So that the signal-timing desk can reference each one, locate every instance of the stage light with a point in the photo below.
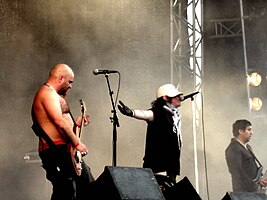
(255, 103)
(254, 79)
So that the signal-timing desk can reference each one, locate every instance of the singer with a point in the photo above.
(163, 136)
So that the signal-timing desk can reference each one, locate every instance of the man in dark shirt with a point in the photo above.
(241, 161)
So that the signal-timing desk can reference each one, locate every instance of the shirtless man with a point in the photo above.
(51, 111)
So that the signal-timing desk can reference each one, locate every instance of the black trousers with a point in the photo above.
(60, 172)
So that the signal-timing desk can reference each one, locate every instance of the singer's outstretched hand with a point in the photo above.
(125, 110)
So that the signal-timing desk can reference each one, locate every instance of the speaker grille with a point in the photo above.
(244, 196)
(130, 183)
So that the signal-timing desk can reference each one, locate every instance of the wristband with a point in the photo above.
(76, 144)
(133, 113)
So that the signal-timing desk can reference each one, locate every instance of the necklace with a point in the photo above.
(50, 87)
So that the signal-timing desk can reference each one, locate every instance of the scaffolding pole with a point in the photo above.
(186, 17)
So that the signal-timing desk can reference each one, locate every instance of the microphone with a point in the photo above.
(103, 71)
(182, 98)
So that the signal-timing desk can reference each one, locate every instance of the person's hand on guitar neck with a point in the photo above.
(77, 129)
(86, 121)
(78, 123)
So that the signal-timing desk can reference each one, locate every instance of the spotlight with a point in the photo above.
(255, 103)
(254, 79)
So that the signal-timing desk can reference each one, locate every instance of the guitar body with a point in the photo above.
(258, 175)
(76, 158)
(262, 189)
(76, 155)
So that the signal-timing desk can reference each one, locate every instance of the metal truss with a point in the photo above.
(186, 58)
(235, 27)
(226, 28)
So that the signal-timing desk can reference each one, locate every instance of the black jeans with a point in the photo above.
(60, 172)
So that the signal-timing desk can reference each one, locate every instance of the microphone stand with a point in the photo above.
(115, 122)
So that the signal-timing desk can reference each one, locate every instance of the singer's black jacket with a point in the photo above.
(162, 152)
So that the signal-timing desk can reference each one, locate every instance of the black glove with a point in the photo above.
(125, 110)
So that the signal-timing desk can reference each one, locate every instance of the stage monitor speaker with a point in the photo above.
(244, 196)
(182, 190)
(117, 183)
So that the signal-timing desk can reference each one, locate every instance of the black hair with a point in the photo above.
(159, 102)
(240, 124)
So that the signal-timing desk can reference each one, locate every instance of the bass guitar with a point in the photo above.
(262, 189)
(76, 155)
(258, 175)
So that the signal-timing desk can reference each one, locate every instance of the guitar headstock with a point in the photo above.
(83, 108)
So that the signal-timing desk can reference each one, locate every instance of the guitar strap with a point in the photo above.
(72, 119)
(37, 129)
(250, 150)
(41, 133)
(260, 167)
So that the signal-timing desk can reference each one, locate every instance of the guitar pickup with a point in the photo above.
(78, 157)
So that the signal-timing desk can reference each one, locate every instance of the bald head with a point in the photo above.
(60, 70)
(61, 78)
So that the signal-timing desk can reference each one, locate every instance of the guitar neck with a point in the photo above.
(83, 110)
(81, 128)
